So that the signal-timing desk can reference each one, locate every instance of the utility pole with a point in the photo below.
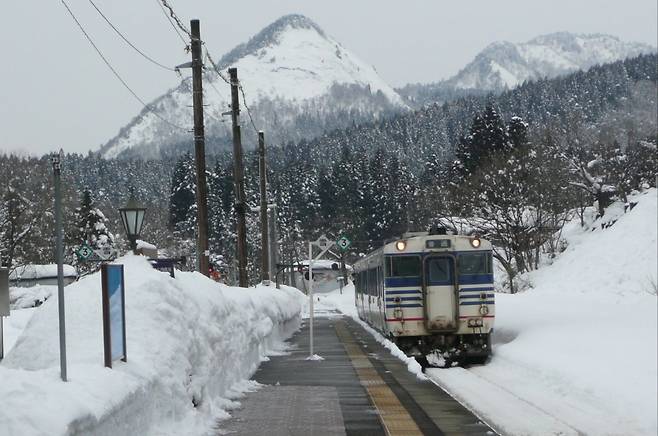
(274, 238)
(199, 153)
(265, 246)
(238, 175)
(56, 160)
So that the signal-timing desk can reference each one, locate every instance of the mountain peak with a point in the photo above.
(269, 36)
(504, 65)
(300, 82)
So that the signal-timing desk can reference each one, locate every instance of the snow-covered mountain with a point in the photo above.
(298, 81)
(505, 65)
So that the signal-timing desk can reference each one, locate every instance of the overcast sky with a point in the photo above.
(56, 92)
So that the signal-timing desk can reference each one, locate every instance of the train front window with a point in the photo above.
(439, 270)
(475, 263)
(403, 266)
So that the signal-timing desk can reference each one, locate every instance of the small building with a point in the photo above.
(32, 275)
(326, 275)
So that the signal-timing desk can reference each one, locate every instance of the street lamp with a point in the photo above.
(132, 217)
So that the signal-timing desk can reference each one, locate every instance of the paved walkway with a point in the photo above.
(358, 389)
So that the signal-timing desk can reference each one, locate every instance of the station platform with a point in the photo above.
(358, 389)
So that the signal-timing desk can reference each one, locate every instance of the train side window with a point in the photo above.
(475, 263)
(405, 266)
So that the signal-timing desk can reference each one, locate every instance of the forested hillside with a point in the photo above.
(511, 167)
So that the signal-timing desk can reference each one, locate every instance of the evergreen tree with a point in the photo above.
(182, 198)
(89, 226)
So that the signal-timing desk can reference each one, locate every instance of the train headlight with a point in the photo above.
(475, 242)
(401, 245)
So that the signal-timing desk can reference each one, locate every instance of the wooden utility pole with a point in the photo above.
(199, 152)
(264, 230)
(238, 175)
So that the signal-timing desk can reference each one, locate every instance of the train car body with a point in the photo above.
(431, 294)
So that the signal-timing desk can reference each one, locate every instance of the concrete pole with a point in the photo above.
(264, 228)
(203, 261)
(310, 293)
(59, 254)
(238, 175)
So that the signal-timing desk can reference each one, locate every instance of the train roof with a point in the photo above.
(417, 243)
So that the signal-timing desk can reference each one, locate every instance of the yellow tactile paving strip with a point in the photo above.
(394, 416)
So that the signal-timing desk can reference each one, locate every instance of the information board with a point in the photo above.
(114, 313)
(4, 292)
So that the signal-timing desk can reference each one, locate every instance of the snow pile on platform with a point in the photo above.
(21, 298)
(191, 344)
(581, 345)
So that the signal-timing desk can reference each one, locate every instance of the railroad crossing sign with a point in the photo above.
(84, 252)
(343, 243)
(323, 243)
(107, 253)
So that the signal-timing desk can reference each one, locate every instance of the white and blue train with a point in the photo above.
(432, 294)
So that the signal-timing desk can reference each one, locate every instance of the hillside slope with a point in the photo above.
(505, 65)
(299, 81)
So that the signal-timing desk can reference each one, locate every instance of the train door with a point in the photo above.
(440, 293)
(363, 283)
(372, 285)
(380, 298)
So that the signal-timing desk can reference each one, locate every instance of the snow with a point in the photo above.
(505, 64)
(576, 353)
(33, 271)
(190, 341)
(298, 66)
(143, 245)
(21, 298)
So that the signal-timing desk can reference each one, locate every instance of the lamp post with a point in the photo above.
(132, 217)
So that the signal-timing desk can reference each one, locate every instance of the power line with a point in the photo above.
(123, 82)
(187, 46)
(244, 98)
(244, 102)
(128, 42)
(214, 67)
(175, 18)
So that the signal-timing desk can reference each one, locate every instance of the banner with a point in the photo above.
(114, 313)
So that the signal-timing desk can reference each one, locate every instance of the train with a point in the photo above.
(432, 294)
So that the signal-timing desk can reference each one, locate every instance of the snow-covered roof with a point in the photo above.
(143, 245)
(323, 264)
(33, 272)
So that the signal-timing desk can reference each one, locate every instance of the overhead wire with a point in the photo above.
(180, 25)
(173, 25)
(114, 71)
(178, 22)
(240, 87)
(149, 58)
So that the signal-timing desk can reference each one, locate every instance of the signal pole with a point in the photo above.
(238, 175)
(199, 152)
(265, 249)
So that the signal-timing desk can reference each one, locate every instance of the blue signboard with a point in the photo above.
(114, 313)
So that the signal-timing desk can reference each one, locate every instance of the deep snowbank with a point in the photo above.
(191, 343)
